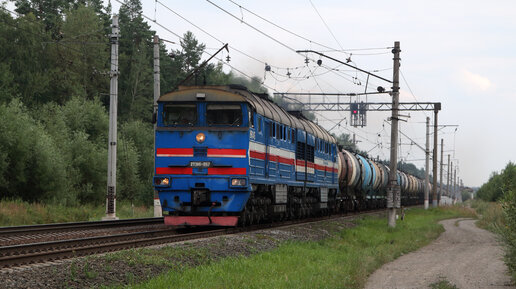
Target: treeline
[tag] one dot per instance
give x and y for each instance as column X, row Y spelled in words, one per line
column 499, row 185
column 501, row 188
column 54, row 98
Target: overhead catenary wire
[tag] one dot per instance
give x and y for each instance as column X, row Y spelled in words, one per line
column 287, row 30
column 252, row 57
column 181, row 38
column 253, row 27
column 325, row 24
column 232, row 47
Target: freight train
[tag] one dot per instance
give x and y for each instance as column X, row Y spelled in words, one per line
column 226, row 156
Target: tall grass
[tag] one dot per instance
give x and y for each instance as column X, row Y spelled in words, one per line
column 491, row 216
column 343, row 261
column 16, row 212
column 500, row 218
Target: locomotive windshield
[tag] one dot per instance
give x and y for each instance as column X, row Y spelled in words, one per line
column 224, row 114
column 180, row 114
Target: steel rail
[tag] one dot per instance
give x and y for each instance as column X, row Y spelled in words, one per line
column 18, row 255
column 4, row 231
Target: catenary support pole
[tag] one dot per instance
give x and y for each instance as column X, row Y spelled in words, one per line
column 157, row 92
column 455, row 184
column 441, row 175
column 452, row 193
column 112, row 138
column 427, row 161
column 434, row 171
column 393, row 189
column 448, row 178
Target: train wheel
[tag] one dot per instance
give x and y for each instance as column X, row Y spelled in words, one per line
column 243, row 219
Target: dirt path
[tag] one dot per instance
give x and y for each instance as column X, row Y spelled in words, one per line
column 465, row 255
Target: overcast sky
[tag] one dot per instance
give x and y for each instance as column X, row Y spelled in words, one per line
column 459, row 53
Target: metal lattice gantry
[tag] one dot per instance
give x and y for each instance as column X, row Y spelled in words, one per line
column 332, row 102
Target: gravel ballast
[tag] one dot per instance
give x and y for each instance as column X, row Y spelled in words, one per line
column 137, row 265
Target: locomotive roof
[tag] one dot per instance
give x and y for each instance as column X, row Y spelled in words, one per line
column 238, row 93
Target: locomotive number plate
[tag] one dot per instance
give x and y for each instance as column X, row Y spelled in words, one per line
column 200, row 164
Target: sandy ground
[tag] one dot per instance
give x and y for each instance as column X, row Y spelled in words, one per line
column 465, row 255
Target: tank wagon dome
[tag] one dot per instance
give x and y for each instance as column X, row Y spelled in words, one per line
column 238, row 93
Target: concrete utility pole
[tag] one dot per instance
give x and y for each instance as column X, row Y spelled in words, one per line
column 157, row 92
column 113, row 104
column 452, row 193
column 441, row 182
column 434, row 171
column 393, row 189
column 427, row 161
column 455, row 183
column 448, row 181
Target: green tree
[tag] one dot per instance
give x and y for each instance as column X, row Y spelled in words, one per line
column 410, row 168
column 86, row 55
column 31, row 166
column 499, row 184
column 138, row 147
column 80, row 130
column 30, row 65
column 136, row 80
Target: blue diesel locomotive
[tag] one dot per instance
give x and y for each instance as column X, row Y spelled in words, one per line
column 225, row 156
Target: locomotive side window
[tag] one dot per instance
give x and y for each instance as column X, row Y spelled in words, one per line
column 180, row 114
column 251, row 117
column 224, row 114
column 259, row 124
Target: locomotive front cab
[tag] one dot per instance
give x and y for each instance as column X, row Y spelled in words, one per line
column 201, row 160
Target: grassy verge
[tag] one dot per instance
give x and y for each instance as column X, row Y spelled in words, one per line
column 342, row 261
column 14, row 213
column 499, row 218
column 491, row 215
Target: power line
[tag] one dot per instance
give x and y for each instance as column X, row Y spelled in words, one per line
column 284, row 29
column 413, row 95
column 327, row 27
column 254, row 28
column 181, row 38
column 246, row 54
column 233, row 48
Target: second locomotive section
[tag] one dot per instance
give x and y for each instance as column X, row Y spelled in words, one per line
column 226, row 155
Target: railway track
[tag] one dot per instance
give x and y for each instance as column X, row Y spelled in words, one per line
column 62, row 227
column 24, row 254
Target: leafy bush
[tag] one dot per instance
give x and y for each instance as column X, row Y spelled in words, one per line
column 501, row 187
column 509, row 233
column 31, row 166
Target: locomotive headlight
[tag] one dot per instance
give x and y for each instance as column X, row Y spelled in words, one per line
column 162, row 181
column 200, row 137
column 238, row 182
